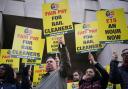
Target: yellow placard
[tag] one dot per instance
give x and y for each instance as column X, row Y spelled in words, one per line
column 26, row 43
column 112, row 25
column 38, row 61
column 6, row 58
column 86, row 37
column 73, row 85
column 52, row 43
column 56, row 18
column 39, row 70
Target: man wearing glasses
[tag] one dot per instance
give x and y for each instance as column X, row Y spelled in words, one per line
column 119, row 75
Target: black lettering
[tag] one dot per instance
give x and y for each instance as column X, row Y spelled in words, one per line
column 56, row 17
column 26, row 47
column 55, row 49
column 54, row 45
column 87, row 36
column 47, row 30
column 57, row 23
column 57, row 29
column 54, row 42
column 114, row 37
column 112, row 26
column 30, row 60
column 93, row 46
column 9, row 60
column 27, row 42
column 88, row 41
column 113, row 31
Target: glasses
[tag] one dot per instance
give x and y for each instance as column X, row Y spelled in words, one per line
column 125, row 53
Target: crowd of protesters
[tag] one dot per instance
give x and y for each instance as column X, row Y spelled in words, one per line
column 58, row 68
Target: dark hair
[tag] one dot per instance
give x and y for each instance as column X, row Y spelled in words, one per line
column 50, row 56
column 97, row 74
column 25, row 71
column 80, row 73
column 9, row 74
column 25, row 78
column 123, row 51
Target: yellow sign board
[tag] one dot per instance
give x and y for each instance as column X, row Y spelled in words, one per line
column 56, row 18
column 52, row 43
column 39, row 70
column 5, row 58
column 73, row 85
column 86, row 37
column 37, row 61
column 112, row 25
column 26, row 43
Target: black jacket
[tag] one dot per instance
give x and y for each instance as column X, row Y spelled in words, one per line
column 119, row 75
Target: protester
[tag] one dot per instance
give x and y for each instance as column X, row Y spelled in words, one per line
column 7, row 80
column 119, row 75
column 76, row 76
column 26, row 78
column 18, row 80
column 92, row 79
column 56, row 77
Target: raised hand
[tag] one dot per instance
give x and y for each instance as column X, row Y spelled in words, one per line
column 91, row 58
column 114, row 56
column 60, row 42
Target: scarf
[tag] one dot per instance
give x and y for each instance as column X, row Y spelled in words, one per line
column 90, row 85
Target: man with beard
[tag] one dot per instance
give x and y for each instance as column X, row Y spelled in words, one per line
column 119, row 75
column 56, row 77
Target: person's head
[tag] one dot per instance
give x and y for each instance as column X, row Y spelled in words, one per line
column 91, row 73
column 50, row 64
column 76, row 76
column 7, row 73
column 125, row 56
column 26, row 71
column 2, row 71
column 19, row 77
